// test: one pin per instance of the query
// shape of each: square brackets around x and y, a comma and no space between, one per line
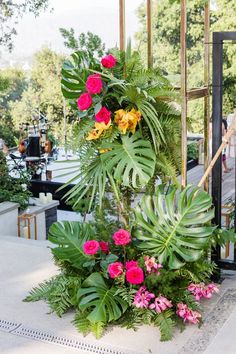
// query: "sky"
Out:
[98,16]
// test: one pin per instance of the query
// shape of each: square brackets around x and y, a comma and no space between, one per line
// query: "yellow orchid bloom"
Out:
[119,115]
[99,129]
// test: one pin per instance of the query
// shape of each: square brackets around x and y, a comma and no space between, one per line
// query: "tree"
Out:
[12,84]
[11,12]
[166,36]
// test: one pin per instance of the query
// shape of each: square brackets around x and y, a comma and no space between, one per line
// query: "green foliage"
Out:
[166,36]
[87,43]
[175,233]
[59,292]
[100,300]
[10,13]
[13,189]
[166,324]
[132,162]
[70,237]
[192,151]
[84,326]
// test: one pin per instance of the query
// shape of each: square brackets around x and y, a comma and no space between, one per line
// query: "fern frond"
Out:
[97,329]
[81,323]
[126,294]
[59,293]
[166,324]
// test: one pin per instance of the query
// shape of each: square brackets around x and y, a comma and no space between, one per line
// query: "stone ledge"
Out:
[5,207]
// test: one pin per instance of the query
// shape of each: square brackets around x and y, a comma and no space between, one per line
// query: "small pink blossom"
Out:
[160,304]
[187,314]
[94,84]
[104,246]
[131,264]
[84,101]
[115,269]
[151,265]
[91,247]
[202,291]
[121,237]
[142,298]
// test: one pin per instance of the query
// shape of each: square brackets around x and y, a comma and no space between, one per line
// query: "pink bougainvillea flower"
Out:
[84,101]
[103,116]
[187,314]
[115,269]
[104,246]
[94,84]
[160,304]
[122,237]
[135,275]
[142,298]
[91,247]
[131,264]
[151,265]
[109,61]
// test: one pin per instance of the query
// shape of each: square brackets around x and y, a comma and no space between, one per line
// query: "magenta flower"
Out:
[94,84]
[202,291]
[91,247]
[187,314]
[121,237]
[115,269]
[142,298]
[109,61]
[160,304]
[104,246]
[135,275]
[84,101]
[131,264]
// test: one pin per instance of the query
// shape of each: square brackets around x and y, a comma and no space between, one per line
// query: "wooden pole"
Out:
[149,34]
[206,83]
[122,24]
[225,141]
[183,60]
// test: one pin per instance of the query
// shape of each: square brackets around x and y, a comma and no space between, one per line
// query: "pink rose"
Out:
[103,116]
[91,247]
[84,101]
[135,275]
[131,264]
[108,61]
[94,83]
[115,269]
[104,246]
[122,237]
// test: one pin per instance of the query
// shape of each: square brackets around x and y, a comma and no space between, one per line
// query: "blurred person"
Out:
[3,146]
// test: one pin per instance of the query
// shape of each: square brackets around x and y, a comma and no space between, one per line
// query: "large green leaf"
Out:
[131,162]
[70,237]
[100,300]
[174,224]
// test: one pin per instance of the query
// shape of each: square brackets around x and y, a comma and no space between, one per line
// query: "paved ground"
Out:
[24,263]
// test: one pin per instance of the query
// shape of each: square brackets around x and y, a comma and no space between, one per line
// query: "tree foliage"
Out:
[166,36]
[11,11]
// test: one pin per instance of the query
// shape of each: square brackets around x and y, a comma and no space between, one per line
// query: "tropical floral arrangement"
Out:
[143,258]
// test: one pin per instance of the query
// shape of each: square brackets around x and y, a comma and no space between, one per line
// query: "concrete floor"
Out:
[25,263]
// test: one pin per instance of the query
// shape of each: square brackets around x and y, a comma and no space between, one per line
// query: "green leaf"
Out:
[174,225]
[70,237]
[95,296]
[131,162]
[165,324]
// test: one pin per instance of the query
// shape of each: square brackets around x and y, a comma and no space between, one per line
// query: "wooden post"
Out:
[122,24]
[183,59]
[224,143]
[206,83]
[149,34]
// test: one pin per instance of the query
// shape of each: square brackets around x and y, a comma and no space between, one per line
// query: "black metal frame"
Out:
[217,101]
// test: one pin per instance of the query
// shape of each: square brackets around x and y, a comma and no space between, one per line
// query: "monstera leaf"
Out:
[70,237]
[131,162]
[174,225]
[101,300]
